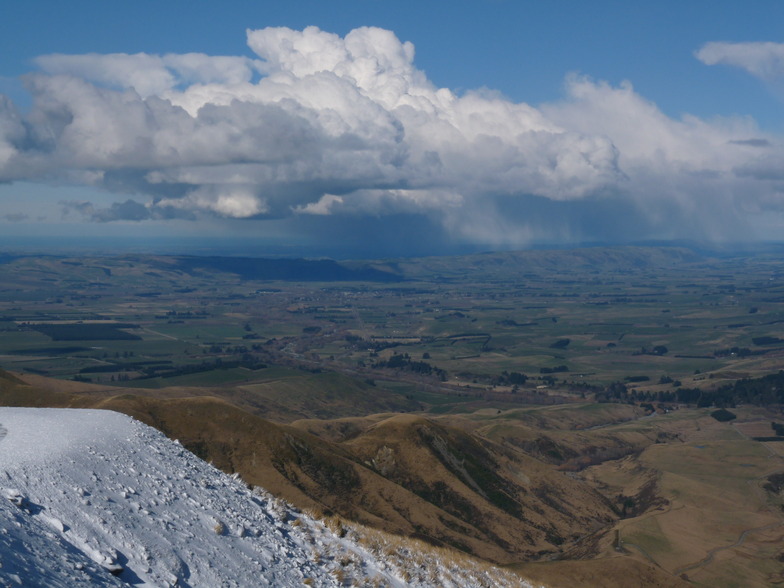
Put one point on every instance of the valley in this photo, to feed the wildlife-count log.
(553, 412)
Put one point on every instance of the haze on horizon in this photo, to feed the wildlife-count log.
(311, 139)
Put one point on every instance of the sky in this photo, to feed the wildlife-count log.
(366, 128)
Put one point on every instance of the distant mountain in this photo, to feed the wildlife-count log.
(481, 266)
(293, 270)
(144, 267)
(505, 264)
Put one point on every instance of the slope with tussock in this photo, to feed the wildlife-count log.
(446, 480)
(94, 498)
(617, 571)
(285, 396)
(405, 474)
(500, 497)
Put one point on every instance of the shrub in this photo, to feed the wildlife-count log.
(723, 415)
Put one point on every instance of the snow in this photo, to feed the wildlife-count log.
(95, 498)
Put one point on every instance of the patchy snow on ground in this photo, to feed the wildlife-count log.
(95, 498)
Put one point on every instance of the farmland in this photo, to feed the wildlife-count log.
(653, 319)
(552, 410)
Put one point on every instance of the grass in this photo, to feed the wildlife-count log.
(673, 305)
(418, 561)
(439, 402)
(218, 377)
(647, 534)
(712, 485)
(610, 304)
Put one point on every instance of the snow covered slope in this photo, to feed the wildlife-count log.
(94, 498)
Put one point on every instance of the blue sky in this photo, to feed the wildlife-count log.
(523, 49)
(482, 123)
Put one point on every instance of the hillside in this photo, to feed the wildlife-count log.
(94, 498)
(404, 474)
(543, 488)
(495, 265)
(521, 407)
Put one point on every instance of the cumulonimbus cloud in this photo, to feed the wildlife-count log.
(321, 125)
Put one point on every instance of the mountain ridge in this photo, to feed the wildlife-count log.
(95, 498)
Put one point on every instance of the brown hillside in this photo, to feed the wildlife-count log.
(404, 474)
(298, 395)
(608, 572)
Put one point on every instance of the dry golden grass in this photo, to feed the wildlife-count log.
(695, 484)
(419, 562)
(616, 571)
(717, 519)
(424, 488)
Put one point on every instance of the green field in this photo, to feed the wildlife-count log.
(572, 322)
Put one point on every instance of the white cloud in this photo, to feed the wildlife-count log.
(764, 60)
(228, 201)
(645, 137)
(322, 207)
(151, 75)
(319, 125)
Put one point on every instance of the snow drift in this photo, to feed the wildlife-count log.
(95, 498)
